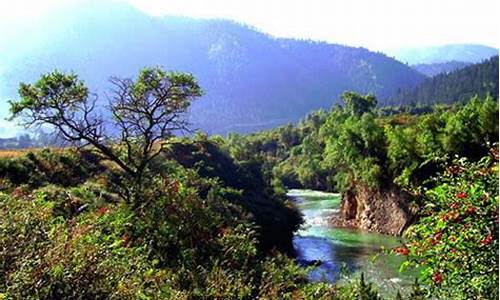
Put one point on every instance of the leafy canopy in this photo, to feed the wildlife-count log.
(146, 111)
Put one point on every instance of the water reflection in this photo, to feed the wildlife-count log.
(332, 258)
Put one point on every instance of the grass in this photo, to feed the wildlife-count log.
(13, 153)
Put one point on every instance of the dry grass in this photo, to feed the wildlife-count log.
(6, 153)
(13, 153)
(402, 119)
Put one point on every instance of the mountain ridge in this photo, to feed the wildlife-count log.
(460, 85)
(470, 53)
(434, 69)
(249, 77)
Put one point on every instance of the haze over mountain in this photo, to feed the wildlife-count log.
(438, 68)
(469, 53)
(251, 80)
(457, 86)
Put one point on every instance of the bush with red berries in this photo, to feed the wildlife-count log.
(456, 240)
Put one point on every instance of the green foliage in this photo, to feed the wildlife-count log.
(417, 292)
(472, 127)
(39, 168)
(41, 97)
(275, 217)
(417, 151)
(457, 239)
(355, 148)
(457, 86)
(353, 145)
(145, 113)
(358, 105)
(349, 150)
(210, 221)
(194, 236)
(359, 289)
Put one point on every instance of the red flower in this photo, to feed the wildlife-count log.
(175, 187)
(461, 195)
(470, 211)
(454, 169)
(402, 250)
(487, 240)
(102, 210)
(452, 215)
(453, 250)
(437, 277)
(437, 237)
(125, 239)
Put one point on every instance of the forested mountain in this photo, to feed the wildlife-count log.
(479, 79)
(438, 54)
(251, 80)
(438, 68)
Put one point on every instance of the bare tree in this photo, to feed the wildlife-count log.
(149, 111)
(146, 111)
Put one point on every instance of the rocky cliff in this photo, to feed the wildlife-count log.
(383, 211)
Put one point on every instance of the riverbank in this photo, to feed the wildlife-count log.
(340, 253)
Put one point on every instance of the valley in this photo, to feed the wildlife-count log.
(171, 151)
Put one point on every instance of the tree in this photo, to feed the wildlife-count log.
(146, 113)
(356, 104)
(354, 144)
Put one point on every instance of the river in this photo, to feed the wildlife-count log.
(341, 249)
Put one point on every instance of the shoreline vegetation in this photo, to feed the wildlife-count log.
(118, 216)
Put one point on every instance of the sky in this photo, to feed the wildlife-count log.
(375, 24)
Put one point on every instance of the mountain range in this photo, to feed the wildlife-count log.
(434, 69)
(468, 53)
(251, 80)
(456, 86)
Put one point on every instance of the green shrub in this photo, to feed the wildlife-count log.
(358, 289)
(457, 239)
(185, 241)
(65, 168)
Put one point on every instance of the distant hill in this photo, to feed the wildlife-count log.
(438, 68)
(460, 85)
(470, 53)
(251, 80)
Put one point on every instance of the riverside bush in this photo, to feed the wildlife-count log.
(456, 241)
(185, 241)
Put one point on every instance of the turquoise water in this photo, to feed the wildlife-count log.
(345, 253)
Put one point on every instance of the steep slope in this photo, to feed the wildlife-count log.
(438, 68)
(478, 79)
(252, 80)
(438, 54)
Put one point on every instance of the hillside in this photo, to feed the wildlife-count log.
(439, 54)
(438, 68)
(479, 79)
(251, 80)
(437, 171)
